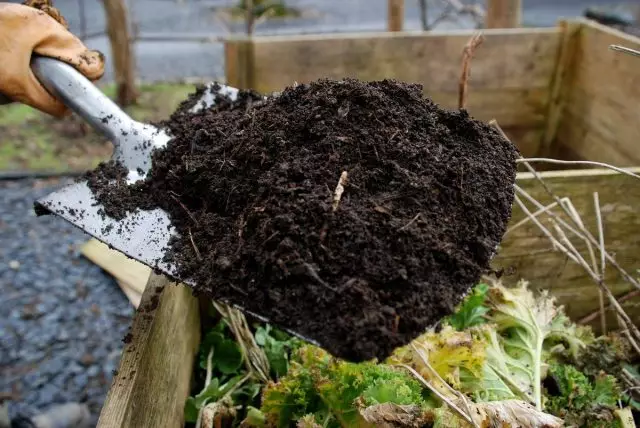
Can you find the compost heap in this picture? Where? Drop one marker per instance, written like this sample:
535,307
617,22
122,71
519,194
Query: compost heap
250,186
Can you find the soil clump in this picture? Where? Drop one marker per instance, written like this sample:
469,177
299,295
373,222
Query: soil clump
250,186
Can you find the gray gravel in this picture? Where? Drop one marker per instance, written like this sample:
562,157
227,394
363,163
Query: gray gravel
62,319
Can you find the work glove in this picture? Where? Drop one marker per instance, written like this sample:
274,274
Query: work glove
25,30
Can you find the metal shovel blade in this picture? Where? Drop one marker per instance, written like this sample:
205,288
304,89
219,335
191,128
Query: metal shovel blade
143,235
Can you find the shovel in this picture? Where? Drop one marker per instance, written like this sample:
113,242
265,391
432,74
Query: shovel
144,235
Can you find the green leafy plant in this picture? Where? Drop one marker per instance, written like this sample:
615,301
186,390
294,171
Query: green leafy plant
472,310
580,401
277,347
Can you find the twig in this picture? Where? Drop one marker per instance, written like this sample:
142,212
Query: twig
254,357
592,163
312,272
584,234
467,54
574,255
603,315
527,219
198,255
629,51
413,220
184,208
425,361
441,396
588,318
339,190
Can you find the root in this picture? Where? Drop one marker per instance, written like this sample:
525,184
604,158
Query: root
467,54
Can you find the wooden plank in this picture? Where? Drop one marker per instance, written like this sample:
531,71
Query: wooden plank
153,380
601,117
395,15
131,293
503,14
121,267
507,59
510,77
529,254
560,87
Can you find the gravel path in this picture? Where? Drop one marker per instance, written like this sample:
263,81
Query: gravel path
63,318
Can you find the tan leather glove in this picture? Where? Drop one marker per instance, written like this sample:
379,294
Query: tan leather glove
25,30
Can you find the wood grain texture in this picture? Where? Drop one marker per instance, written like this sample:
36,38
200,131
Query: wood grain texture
600,120
530,255
153,380
503,14
395,15
121,267
511,72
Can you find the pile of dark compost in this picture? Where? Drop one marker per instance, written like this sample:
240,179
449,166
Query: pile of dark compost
250,187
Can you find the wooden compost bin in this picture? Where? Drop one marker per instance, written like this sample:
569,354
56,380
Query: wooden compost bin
557,92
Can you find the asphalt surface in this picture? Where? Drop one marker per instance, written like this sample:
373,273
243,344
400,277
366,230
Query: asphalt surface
63,318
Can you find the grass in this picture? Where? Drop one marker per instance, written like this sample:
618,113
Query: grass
31,140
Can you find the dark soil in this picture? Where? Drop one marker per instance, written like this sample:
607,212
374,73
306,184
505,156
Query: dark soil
249,186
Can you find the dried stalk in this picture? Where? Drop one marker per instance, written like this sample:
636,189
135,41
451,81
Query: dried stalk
467,54
254,357
337,194
438,394
434,373
603,315
592,163
570,251
584,233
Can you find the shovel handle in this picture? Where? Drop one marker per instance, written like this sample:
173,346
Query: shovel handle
77,92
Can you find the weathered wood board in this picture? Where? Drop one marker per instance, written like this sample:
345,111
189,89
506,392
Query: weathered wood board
600,118
153,379
510,76
528,253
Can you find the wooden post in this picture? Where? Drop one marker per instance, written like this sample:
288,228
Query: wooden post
121,51
395,17
503,14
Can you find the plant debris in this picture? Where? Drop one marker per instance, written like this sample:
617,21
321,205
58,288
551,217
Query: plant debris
354,213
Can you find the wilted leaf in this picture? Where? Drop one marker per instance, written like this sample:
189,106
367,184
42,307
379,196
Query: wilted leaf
390,415
218,414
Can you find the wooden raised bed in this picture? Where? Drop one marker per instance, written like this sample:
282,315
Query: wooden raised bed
557,92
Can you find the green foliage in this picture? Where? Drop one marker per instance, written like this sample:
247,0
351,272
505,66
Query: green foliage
472,310
277,346
226,354
320,386
524,327
212,392
581,401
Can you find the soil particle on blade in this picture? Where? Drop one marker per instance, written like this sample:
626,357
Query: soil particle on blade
249,186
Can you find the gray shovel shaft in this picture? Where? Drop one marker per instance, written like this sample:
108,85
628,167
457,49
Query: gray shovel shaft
78,93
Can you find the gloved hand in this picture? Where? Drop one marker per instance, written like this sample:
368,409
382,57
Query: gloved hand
25,30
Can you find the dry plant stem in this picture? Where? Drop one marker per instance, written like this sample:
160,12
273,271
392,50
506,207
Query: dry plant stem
459,395
574,255
254,357
584,234
438,394
467,54
603,315
592,163
627,333
337,195
593,315
207,381
198,255
535,214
